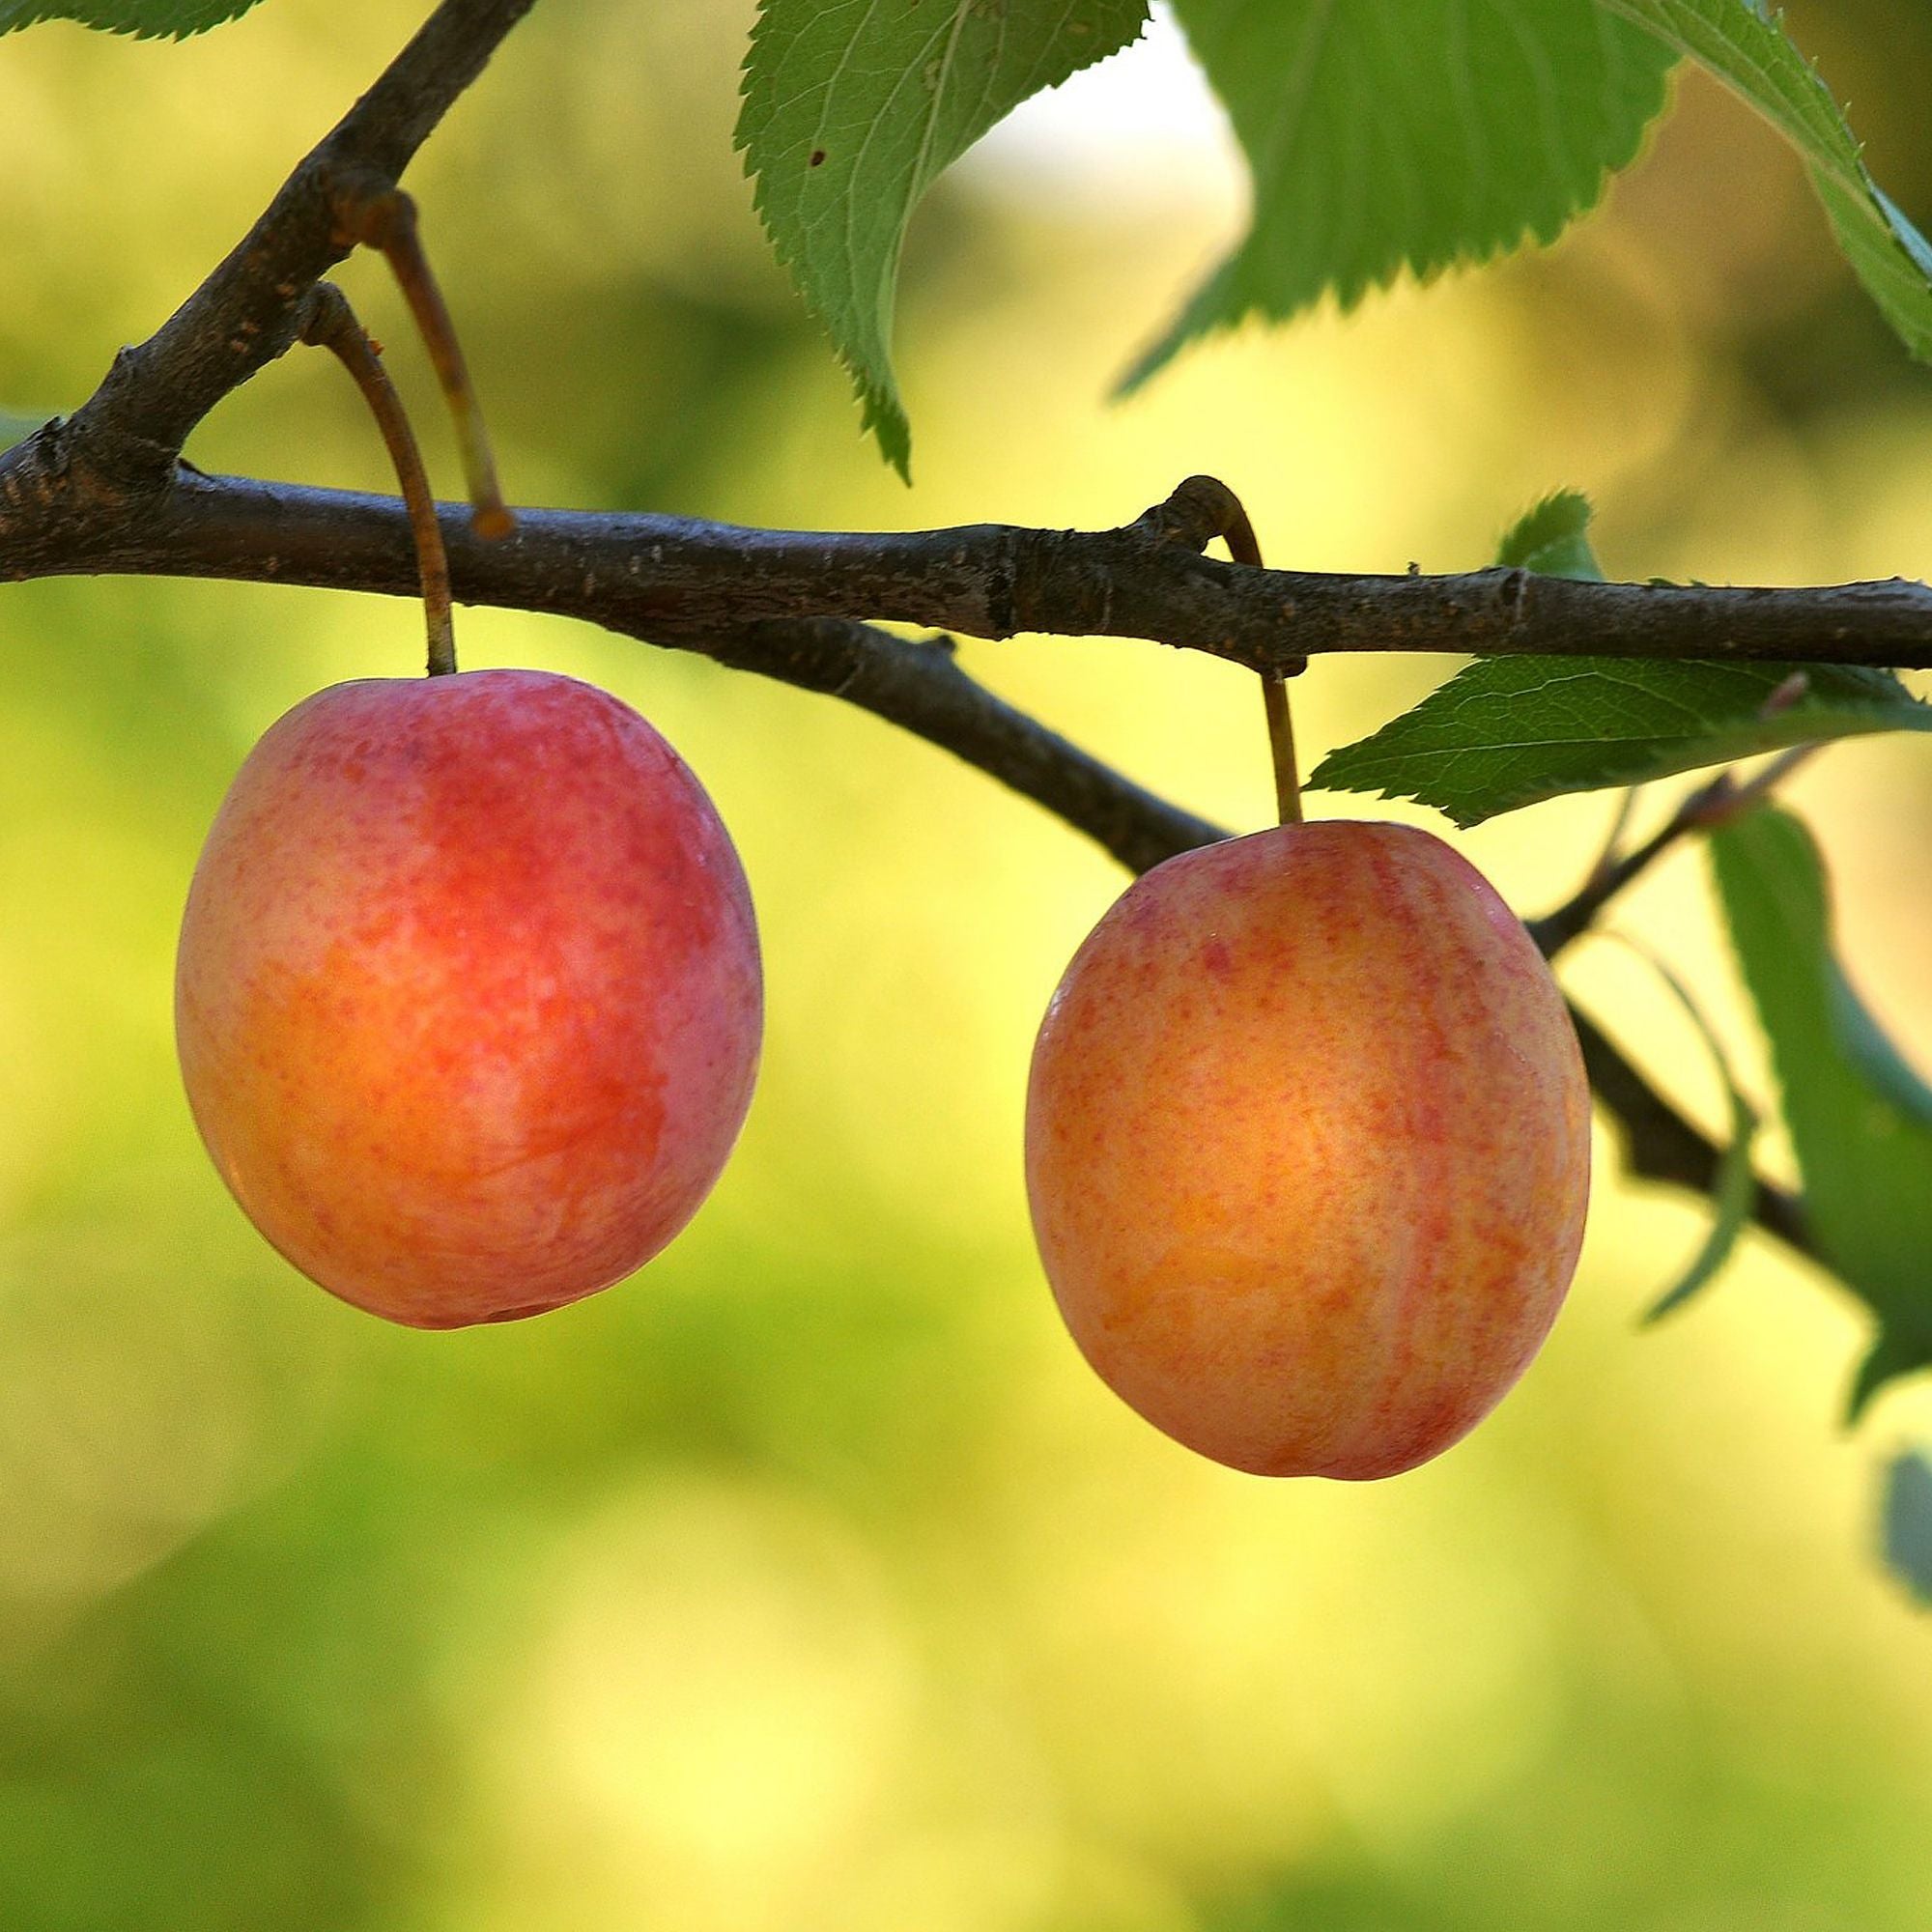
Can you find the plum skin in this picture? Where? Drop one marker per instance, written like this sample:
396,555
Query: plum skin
469,999
1308,1149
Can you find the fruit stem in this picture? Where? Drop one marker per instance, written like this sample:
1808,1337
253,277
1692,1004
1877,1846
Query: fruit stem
1239,534
332,324
1281,743
387,221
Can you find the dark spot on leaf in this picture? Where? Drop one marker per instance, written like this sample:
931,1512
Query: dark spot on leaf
817,158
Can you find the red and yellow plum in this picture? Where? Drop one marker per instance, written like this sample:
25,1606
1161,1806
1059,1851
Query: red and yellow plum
469,999
1308,1149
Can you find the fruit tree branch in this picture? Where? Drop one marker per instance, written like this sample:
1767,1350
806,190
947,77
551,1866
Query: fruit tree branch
1660,1144
641,572
921,688
124,438
1712,804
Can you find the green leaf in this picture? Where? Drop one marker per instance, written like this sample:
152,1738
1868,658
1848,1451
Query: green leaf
1554,539
1898,1353
1733,1195
852,111
1908,1522
1384,134
1747,49
1736,1186
1506,733
1860,1122
1511,731
146,20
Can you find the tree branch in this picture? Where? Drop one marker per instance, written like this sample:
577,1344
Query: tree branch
919,687
652,574
1704,809
1660,1144
123,440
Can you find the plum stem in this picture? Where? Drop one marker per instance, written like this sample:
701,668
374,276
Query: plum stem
1239,534
385,220
330,324
1281,743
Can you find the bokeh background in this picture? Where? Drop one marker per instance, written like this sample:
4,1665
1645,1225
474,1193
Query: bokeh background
809,1580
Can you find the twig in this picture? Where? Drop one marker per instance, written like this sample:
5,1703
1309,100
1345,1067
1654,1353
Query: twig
919,687
982,581
1613,839
1710,806
247,312
1660,1144
923,689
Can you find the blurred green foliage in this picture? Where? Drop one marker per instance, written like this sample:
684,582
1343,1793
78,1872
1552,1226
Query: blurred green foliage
809,1580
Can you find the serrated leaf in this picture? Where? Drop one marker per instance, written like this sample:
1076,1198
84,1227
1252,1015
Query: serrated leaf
1908,1522
1735,1187
1747,47
145,19
1506,733
1554,539
852,110
1864,1152
1392,134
